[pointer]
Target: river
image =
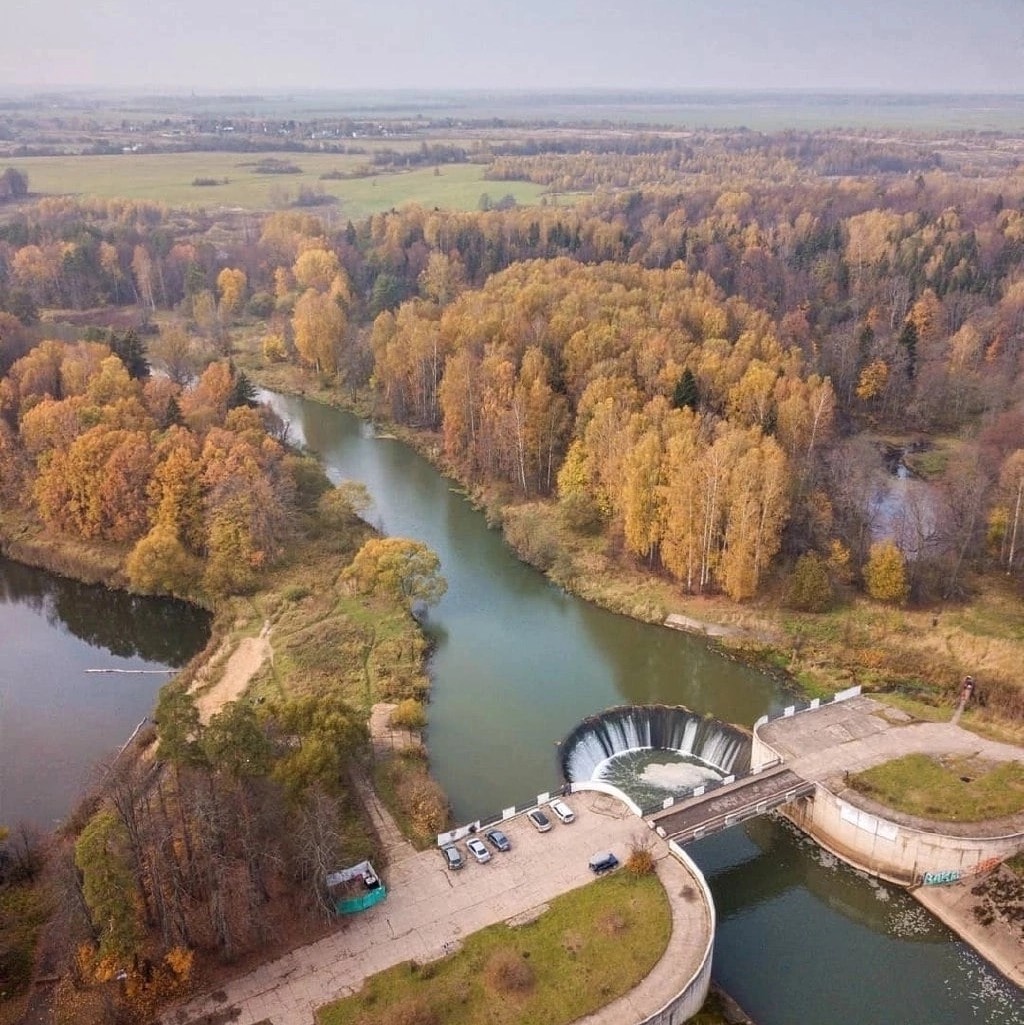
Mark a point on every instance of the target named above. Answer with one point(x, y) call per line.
point(802, 939)
point(58, 722)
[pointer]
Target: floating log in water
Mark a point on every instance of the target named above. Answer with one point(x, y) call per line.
point(130, 671)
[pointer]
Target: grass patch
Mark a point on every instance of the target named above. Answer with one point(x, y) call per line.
point(531, 974)
point(949, 790)
point(415, 799)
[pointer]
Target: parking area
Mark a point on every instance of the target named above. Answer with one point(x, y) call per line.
point(430, 908)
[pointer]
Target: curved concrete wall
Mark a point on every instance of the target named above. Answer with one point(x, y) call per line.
point(694, 991)
point(877, 845)
point(893, 851)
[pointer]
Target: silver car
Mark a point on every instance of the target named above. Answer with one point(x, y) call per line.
point(538, 820)
point(477, 848)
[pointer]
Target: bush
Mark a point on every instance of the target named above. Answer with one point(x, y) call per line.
point(274, 348)
point(810, 587)
point(414, 1011)
point(409, 715)
point(508, 971)
point(581, 514)
point(531, 537)
point(641, 858)
point(261, 305)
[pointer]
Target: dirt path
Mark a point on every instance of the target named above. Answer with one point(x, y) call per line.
point(245, 661)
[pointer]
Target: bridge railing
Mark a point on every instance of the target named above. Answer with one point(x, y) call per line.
point(711, 785)
point(759, 806)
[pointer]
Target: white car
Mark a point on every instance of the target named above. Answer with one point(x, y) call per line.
point(476, 847)
point(538, 820)
point(562, 811)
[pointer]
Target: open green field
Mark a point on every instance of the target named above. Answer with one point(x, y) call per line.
point(591, 946)
point(168, 177)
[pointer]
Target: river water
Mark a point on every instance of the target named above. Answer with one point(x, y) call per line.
point(802, 939)
point(57, 722)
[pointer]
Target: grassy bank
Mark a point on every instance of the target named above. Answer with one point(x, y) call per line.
point(948, 789)
point(591, 946)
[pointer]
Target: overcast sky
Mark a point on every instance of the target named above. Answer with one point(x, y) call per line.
point(264, 45)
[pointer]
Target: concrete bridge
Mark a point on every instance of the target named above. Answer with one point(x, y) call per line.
point(711, 812)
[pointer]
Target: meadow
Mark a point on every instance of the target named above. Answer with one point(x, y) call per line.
point(168, 178)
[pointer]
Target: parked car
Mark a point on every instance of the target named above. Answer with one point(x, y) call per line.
point(478, 849)
point(603, 862)
point(452, 856)
point(497, 839)
point(538, 820)
point(562, 811)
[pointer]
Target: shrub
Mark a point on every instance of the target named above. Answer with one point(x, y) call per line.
point(508, 971)
point(409, 715)
point(261, 305)
point(810, 588)
point(414, 1011)
point(531, 537)
point(885, 574)
point(641, 858)
point(581, 514)
point(273, 348)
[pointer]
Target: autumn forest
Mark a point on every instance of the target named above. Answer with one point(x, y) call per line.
point(704, 355)
point(701, 358)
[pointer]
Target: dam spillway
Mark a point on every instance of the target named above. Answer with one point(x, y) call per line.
point(654, 751)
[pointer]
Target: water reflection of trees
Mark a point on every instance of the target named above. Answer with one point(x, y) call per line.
point(654, 664)
point(127, 625)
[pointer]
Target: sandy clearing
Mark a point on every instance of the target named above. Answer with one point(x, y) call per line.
point(244, 663)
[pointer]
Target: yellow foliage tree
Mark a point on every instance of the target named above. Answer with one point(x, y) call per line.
point(873, 379)
point(231, 285)
point(400, 568)
point(885, 574)
point(319, 327)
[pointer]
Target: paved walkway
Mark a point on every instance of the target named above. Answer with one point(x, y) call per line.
point(430, 909)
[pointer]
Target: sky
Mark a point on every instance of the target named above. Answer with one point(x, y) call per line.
point(274, 45)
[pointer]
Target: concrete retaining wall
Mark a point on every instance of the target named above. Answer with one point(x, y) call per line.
point(893, 851)
point(694, 990)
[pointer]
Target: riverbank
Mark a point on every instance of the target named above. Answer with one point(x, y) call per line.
point(837, 745)
point(960, 907)
point(918, 656)
point(304, 634)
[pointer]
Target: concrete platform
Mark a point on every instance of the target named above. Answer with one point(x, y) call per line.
point(430, 909)
point(850, 736)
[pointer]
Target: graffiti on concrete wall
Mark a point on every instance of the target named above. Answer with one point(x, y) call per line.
point(954, 875)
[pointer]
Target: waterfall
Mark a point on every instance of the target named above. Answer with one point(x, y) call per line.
point(600, 740)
